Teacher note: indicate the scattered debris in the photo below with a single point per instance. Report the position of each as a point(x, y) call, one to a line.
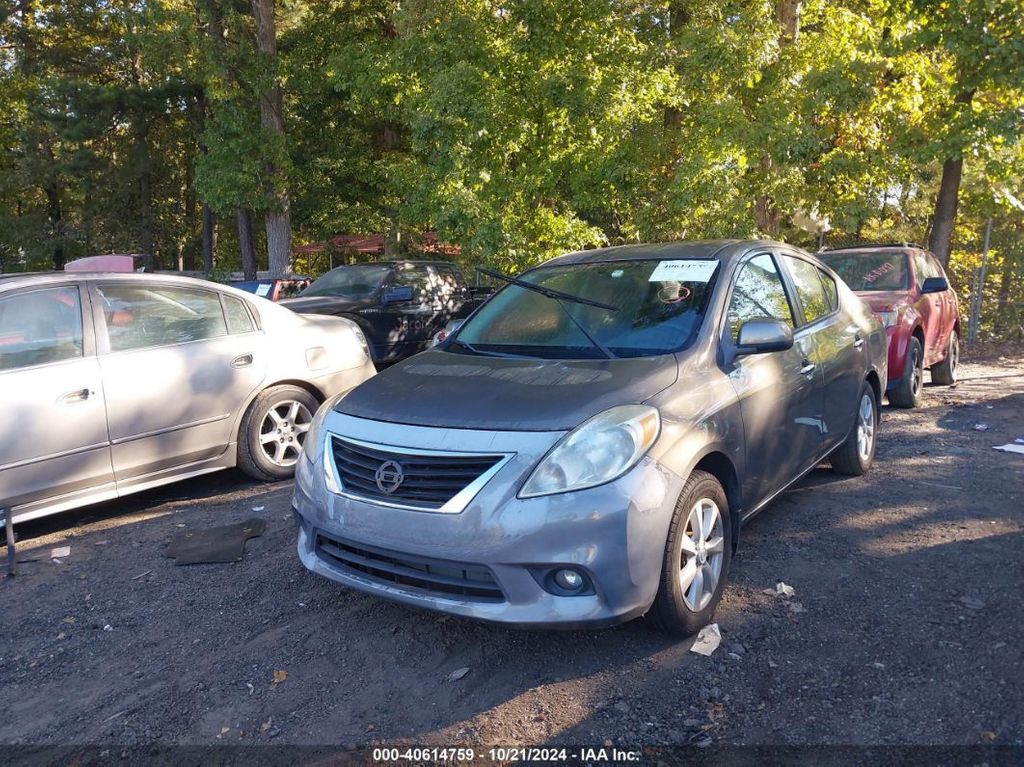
point(458, 673)
point(1019, 441)
point(784, 589)
point(69, 620)
point(279, 677)
point(796, 607)
point(267, 725)
point(981, 427)
point(141, 575)
point(972, 603)
point(107, 627)
point(59, 552)
point(1012, 447)
point(707, 640)
point(215, 544)
point(251, 688)
point(258, 508)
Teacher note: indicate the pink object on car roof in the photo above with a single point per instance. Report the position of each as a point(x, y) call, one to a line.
point(112, 263)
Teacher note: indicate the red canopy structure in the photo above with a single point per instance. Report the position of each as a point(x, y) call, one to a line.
point(373, 245)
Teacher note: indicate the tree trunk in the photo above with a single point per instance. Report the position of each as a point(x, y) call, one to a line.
point(940, 238)
point(246, 243)
point(146, 208)
point(56, 216)
point(209, 237)
point(278, 217)
point(787, 12)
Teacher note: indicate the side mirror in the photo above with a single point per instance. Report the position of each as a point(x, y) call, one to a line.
point(935, 285)
point(762, 336)
point(397, 294)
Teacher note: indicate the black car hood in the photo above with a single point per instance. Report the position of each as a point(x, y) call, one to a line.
point(461, 391)
point(327, 304)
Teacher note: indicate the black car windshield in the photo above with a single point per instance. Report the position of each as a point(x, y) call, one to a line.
point(358, 280)
point(870, 271)
point(659, 306)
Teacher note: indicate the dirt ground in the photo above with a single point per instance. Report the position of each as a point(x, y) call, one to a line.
point(905, 626)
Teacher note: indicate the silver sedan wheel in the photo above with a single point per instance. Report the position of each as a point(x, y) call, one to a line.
point(283, 431)
point(865, 427)
point(703, 547)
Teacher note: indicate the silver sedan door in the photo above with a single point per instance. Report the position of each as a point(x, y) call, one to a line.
point(54, 449)
point(177, 370)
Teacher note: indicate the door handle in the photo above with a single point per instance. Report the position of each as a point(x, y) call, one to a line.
point(858, 342)
point(80, 395)
point(241, 361)
point(808, 368)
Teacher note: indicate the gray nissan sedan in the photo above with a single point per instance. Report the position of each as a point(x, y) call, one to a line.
point(586, 447)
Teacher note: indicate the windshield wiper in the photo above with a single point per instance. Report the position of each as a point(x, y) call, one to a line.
point(488, 353)
point(559, 297)
point(549, 292)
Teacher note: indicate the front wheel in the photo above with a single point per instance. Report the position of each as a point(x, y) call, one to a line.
point(855, 456)
point(273, 431)
point(697, 556)
point(907, 393)
point(944, 374)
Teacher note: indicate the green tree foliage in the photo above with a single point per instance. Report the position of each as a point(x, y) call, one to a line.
point(516, 129)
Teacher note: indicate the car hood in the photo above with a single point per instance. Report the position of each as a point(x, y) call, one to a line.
point(326, 304)
point(460, 391)
point(883, 300)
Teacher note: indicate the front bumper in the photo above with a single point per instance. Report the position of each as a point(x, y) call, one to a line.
point(614, 533)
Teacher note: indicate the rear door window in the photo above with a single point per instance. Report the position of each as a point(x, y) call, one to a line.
point(146, 315)
point(39, 327)
point(831, 290)
point(809, 289)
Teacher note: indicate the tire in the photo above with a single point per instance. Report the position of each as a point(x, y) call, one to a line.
point(272, 432)
point(944, 374)
point(908, 392)
point(683, 605)
point(855, 456)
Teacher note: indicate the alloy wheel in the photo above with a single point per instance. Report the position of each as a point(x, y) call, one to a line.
point(703, 547)
point(283, 431)
point(917, 374)
point(865, 427)
point(954, 355)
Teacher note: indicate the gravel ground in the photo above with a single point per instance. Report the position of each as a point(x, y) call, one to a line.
point(904, 627)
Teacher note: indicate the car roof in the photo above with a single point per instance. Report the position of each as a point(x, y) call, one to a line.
point(397, 262)
point(856, 250)
point(51, 278)
point(721, 250)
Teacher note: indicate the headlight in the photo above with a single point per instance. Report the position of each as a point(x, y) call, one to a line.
point(313, 446)
point(889, 318)
point(598, 451)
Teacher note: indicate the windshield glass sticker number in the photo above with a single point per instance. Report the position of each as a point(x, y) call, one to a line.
point(684, 271)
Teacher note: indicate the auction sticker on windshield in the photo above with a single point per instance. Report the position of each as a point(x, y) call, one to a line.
point(692, 270)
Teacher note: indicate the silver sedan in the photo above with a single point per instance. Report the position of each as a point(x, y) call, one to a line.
point(121, 382)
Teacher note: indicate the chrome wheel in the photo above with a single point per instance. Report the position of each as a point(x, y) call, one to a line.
point(954, 355)
point(283, 431)
point(916, 374)
point(703, 547)
point(865, 428)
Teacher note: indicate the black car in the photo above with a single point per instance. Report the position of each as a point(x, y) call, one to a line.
point(399, 305)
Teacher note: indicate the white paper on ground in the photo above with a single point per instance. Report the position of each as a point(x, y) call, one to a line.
point(707, 640)
point(690, 270)
point(60, 552)
point(1010, 448)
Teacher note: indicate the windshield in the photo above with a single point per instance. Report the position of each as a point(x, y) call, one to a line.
point(659, 308)
point(871, 271)
point(360, 280)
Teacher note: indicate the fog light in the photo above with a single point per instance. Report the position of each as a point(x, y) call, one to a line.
point(570, 580)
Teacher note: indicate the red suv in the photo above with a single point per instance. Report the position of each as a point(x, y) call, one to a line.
point(907, 286)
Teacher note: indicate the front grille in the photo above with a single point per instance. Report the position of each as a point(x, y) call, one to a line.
point(418, 574)
point(427, 481)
